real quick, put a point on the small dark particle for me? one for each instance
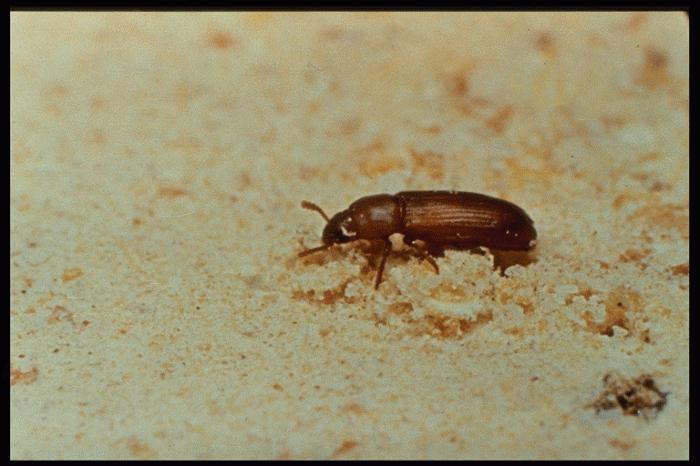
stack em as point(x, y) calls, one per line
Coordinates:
point(634, 397)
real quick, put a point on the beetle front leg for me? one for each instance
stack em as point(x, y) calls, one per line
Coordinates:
point(385, 254)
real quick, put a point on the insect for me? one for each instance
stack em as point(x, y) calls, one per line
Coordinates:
point(430, 222)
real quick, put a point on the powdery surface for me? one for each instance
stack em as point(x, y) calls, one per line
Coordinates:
point(158, 309)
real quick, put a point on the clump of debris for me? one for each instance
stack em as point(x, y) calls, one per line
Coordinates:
point(635, 397)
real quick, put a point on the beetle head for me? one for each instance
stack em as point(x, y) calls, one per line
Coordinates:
point(339, 229)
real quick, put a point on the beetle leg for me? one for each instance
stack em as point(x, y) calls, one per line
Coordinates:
point(385, 254)
point(426, 255)
point(313, 250)
point(423, 252)
point(435, 250)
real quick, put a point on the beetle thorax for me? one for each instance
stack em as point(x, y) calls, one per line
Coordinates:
point(375, 217)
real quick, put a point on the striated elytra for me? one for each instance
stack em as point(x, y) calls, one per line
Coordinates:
point(437, 219)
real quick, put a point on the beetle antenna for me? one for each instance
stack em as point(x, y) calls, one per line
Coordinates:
point(313, 250)
point(311, 206)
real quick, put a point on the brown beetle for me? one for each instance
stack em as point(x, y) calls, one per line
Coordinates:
point(438, 219)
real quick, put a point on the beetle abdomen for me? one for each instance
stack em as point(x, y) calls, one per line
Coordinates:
point(465, 220)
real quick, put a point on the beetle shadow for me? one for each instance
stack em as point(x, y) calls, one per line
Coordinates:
point(322, 257)
point(373, 250)
point(502, 260)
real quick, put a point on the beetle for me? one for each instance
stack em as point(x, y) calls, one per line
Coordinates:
point(430, 222)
